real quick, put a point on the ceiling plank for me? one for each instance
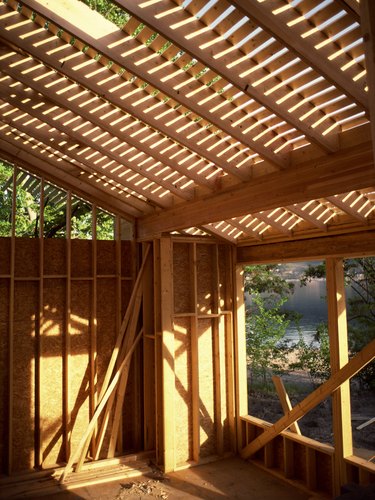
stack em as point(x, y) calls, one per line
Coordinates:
point(341, 172)
point(43, 86)
point(346, 207)
point(261, 15)
point(358, 244)
point(305, 214)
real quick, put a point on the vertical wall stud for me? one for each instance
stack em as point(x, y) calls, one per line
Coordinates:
point(39, 333)
point(11, 322)
point(216, 331)
point(159, 441)
point(148, 360)
point(66, 392)
point(166, 282)
point(195, 401)
point(239, 346)
point(93, 323)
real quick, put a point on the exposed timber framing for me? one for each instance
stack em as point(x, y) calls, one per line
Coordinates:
point(168, 366)
point(256, 11)
point(340, 172)
point(149, 15)
point(359, 361)
point(240, 347)
point(285, 401)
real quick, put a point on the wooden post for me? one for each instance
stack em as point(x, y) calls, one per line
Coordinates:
point(240, 362)
point(39, 332)
point(158, 354)
point(168, 369)
point(338, 336)
point(118, 297)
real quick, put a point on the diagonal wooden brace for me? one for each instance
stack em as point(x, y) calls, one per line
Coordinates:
point(285, 402)
point(348, 371)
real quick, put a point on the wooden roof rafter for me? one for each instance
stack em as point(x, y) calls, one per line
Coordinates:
point(17, 150)
point(136, 114)
point(74, 67)
point(179, 30)
point(75, 151)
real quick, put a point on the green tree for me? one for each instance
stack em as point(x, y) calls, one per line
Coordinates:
point(314, 357)
point(265, 329)
point(266, 324)
point(6, 172)
point(109, 10)
point(28, 199)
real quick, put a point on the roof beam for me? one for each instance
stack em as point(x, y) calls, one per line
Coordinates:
point(17, 72)
point(17, 99)
point(356, 244)
point(347, 207)
point(261, 15)
point(339, 173)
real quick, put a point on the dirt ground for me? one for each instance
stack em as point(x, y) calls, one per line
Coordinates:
point(317, 424)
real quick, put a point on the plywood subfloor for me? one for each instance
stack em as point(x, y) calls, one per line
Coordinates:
point(230, 478)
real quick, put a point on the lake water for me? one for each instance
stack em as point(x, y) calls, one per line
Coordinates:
point(309, 301)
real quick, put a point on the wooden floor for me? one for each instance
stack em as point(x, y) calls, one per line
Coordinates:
point(230, 478)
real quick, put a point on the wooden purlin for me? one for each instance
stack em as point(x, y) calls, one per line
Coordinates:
point(355, 364)
point(73, 60)
point(305, 47)
point(184, 31)
point(80, 109)
point(34, 128)
point(79, 169)
point(17, 151)
point(351, 204)
point(145, 62)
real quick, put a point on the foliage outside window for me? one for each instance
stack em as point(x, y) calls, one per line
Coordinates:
point(6, 173)
point(28, 209)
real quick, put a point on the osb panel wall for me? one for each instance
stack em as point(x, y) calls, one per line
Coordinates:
point(202, 294)
point(56, 337)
